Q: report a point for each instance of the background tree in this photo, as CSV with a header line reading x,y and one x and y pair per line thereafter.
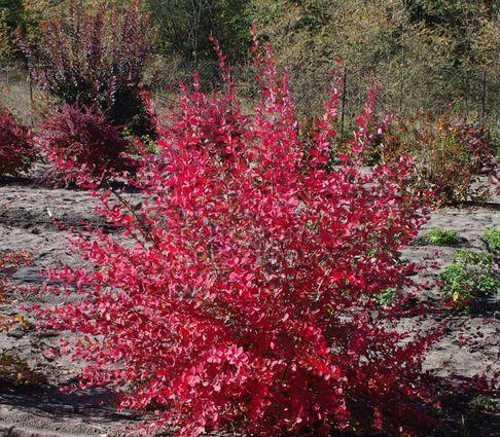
x,y
185,28
26,17
426,53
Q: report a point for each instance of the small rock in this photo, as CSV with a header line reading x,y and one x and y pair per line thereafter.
x,y
46,334
16,333
28,274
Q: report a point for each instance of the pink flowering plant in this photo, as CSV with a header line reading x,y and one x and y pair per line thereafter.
x,y
243,289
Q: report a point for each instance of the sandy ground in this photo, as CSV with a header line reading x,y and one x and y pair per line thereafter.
x,y
26,223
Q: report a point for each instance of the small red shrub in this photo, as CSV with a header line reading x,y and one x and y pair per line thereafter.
x,y
250,294
448,154
83,144
479,143
16,147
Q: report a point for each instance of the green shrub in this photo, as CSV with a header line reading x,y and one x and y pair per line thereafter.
x,y
492,238
484,404
472,276
388,297
441,237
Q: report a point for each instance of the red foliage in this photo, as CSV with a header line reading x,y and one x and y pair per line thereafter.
x,y
16,147
478,142
96,57
449,155
250,293
82,144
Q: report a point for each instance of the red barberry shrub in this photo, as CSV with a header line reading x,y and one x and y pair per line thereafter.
x,y
244,287
477,140
16,147
83,145
96,55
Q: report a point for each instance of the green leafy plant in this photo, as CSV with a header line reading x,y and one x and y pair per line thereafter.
x,y
492,238
388,297
472,276
484,404
441,237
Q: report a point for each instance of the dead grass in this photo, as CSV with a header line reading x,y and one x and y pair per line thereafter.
x,y
29,105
